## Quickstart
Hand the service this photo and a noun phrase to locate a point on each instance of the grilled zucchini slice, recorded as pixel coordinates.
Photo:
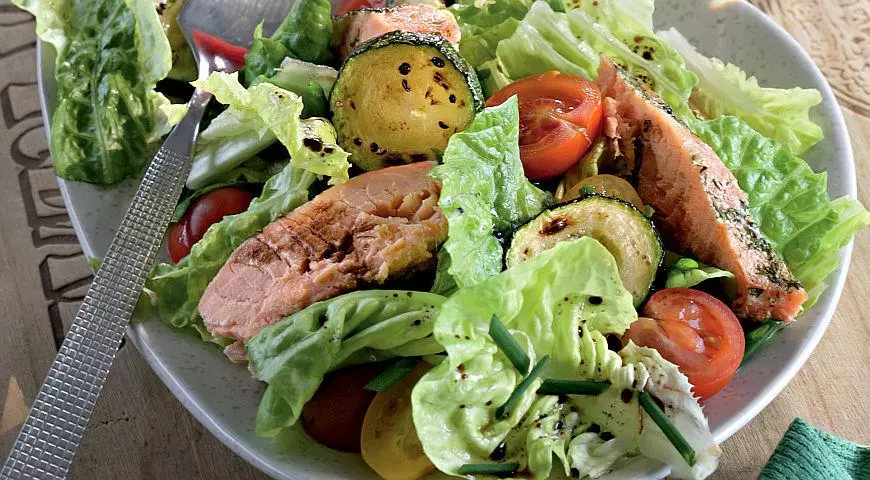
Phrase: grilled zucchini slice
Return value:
(628, 235)
(399, 97)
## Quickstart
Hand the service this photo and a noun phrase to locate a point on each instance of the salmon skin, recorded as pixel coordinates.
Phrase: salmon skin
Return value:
(379, 225)
(356, 27)
(699, 207)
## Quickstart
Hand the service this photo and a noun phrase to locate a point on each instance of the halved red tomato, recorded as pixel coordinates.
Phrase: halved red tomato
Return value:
(205, 211)
(696, 332)
(560, 116)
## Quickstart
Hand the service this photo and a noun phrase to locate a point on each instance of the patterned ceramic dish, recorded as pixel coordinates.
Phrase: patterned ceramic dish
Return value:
(224, 397)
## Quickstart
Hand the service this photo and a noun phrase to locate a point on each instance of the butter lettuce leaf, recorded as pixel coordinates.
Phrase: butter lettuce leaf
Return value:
(110, 56)
(177, 289)
(293, 355)
(725, 89)
(304, 35)
(789, 201)
(542, 302)
(484, 192)
(255, 118)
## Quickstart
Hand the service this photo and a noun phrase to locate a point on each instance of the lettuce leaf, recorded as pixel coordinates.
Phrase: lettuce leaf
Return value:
(788, 200)
(304, 35)
(310, 81)
(256, 117)
(110, 55)
(483, 192)
(293, 355)
(542, 302)
(178, 288)
(724, 89)
(483, 25)
(572, 42)
(641, 368)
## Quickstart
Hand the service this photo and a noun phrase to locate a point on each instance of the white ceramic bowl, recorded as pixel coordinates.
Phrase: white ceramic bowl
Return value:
(224, 397)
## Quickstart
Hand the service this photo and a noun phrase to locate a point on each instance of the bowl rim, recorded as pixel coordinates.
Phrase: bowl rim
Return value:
(730, 426)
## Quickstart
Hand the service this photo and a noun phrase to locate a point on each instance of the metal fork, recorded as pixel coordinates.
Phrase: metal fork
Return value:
(48, 441)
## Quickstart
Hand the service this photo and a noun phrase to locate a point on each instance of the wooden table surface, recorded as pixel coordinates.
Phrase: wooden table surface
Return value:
(139, 430)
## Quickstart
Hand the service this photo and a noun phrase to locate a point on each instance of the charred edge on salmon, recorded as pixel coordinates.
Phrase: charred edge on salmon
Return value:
(644, 91)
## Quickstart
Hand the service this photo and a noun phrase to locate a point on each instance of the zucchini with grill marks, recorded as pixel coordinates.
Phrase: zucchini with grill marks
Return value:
(628, 235)
(399, 98)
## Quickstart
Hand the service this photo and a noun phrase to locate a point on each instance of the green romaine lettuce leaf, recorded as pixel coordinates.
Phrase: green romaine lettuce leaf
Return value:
(304, 34)
(788, 200)
(110, 55)
(724, 89)
(543, 302)
(484, 191)
(293, 355)
(256, 117)
(572, 42)
(178, 288)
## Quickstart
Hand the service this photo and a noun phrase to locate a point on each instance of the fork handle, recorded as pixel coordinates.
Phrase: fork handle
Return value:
(48, 441)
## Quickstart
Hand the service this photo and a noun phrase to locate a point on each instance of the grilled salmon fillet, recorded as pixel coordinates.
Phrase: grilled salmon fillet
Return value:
(379, 225)
(357, 27)
(699, 207)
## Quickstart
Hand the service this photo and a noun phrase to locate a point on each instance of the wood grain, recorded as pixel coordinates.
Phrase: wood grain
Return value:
(140, 431)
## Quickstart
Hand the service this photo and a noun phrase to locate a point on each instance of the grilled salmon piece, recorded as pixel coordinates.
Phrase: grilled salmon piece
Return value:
(379, 225)
(355, 28)
(699, 207)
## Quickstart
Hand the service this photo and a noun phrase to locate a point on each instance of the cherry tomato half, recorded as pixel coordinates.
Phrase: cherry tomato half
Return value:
(347, 6)
(560, 116)
(695, 331)
(334, 416)
(206, 210)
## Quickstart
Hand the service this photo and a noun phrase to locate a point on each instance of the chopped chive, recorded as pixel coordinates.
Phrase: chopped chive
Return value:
(488, 468)
(509, 345)
(572, 387)
(652, 409)
(504, 411)
(391, 375)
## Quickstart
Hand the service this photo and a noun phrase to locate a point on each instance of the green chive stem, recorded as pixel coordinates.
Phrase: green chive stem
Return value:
(509, 345)
(504, 411)
(572, 387)
(488, 468)
(391, 375)
(652, 409)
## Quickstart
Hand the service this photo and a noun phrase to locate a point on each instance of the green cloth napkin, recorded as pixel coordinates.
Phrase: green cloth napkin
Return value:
(806, 453)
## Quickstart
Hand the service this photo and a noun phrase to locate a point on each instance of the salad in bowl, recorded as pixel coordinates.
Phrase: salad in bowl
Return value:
(496, 238)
